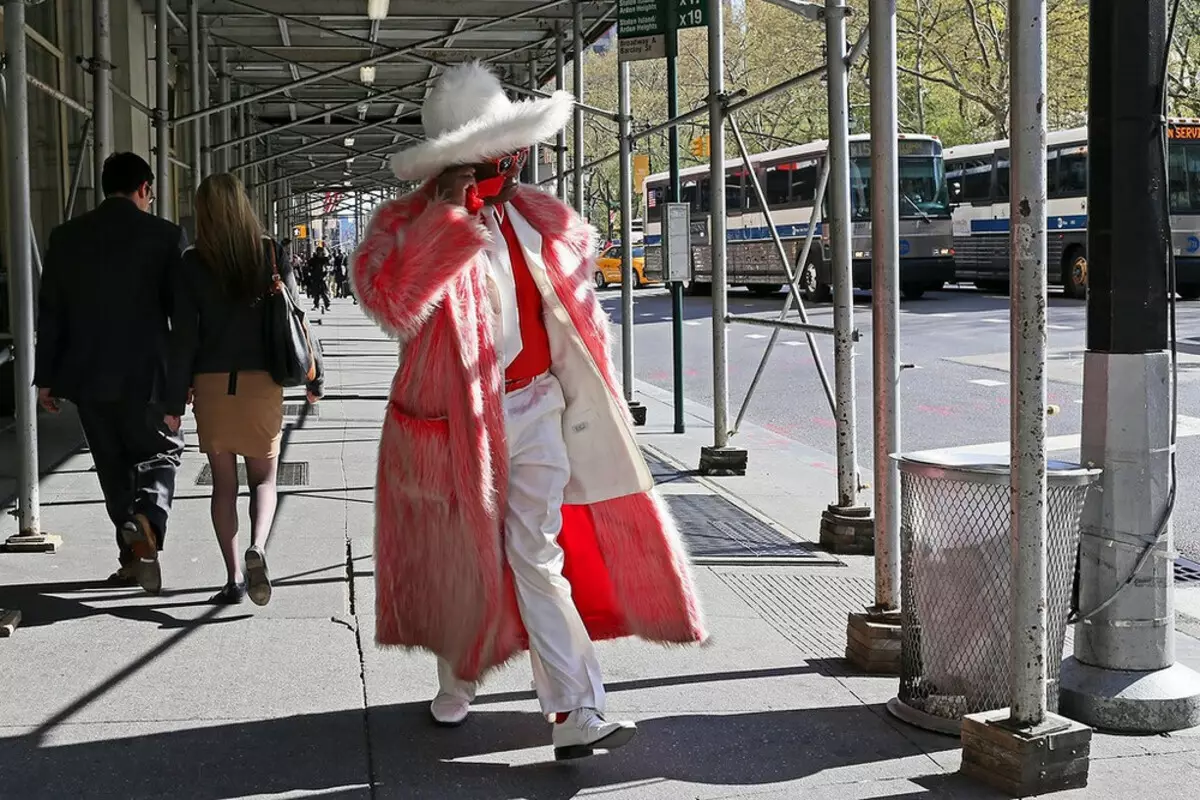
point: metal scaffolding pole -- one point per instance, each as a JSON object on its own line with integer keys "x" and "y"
{"x": 194, "y": 73}
{"x": 885, "y": 301}
{"x": 840, "y": 246}
{"x": 1027, "y": 210}
{"x": 85, "y": 141}
{"x": 626, "y": 171}
{"x": 21, "y": 278}
{"x": 577, "y": 85}
{"x": 101, "y": 92}
{"x": 205, "y": 124}
{"x": 162, "y": 129}
{"x": 225, "y": 118}
{"x": 560, "y": 141}
{"x": 720, "y": 458}
{"x": 535, "y": 155}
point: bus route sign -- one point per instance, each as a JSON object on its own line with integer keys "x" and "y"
{"x": 644, "y": 25}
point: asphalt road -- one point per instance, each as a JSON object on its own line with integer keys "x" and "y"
{"x": 944, "y": 402}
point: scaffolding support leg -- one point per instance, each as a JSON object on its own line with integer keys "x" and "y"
{"x": 846, "y": 526}
{"x": 637, "y": 410}
{"x": 85, "y": 140}
{"x": 29, "y": 536}
{"x": 577, "y": 78}
{"x": 560, "y": 142}
{"x": 102, "y": 111}
{"x": 225, "y": 118}
{"x": 196, "y": 76}
{"x": 205, "y": 124}
{"x": 162, "y": 145}
{"x": 720, "y": 458}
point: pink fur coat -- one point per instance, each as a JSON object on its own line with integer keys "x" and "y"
{"x": 441, "y": 576}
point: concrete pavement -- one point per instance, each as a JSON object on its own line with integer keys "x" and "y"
{"x": 113, "y": 694}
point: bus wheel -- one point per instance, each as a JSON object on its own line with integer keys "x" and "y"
{"x": 1075, "y": 275}
{"x": 1188, "y": 291}
{"x": 812, "y": 290}
{"x": 698, "y": 289}
{"x": 992, "y": 287}
{"x": 599, "y": 278}
{"x": 912, "y": 291}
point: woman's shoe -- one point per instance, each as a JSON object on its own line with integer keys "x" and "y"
{"x": 258, "y": 579}
{"x": 231, "y": 595}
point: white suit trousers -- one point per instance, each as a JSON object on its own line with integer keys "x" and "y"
{"x": 566, "y": 672}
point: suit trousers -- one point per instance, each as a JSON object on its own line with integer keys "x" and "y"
{"x": 136, "y": 457}
{"x": 566, "y": 672}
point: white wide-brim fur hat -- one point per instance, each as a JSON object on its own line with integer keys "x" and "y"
{"x": 468, "y": 118}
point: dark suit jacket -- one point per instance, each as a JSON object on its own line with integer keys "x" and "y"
{"x": 105, "y": 304}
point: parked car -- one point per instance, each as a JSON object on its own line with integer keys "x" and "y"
{"x": 608, "y": 268}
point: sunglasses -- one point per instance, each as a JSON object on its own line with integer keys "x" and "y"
{"x": 506, "y": 164}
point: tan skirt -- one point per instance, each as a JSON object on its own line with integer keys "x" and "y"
{"x": 249, "y": 423}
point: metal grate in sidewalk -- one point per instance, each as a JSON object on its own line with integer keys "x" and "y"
{"x": 1186, "y": 570}
{"x": 291, "y": 473}
{"x": 807, "y": 608}
{"x": 294, "y": 410}
{"x": 714, "y": 528}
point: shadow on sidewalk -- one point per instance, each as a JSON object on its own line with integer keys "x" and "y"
{"x": 486, "y": 758}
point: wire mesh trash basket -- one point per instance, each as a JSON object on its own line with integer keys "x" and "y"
{"x": 956, "y": 576}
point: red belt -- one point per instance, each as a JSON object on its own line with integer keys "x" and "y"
{"x": 517, "y": 384}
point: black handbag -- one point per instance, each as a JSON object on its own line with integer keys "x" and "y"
{"x": 290, "y": 358}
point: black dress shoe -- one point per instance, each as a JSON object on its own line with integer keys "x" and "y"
{"x": 230, "y": 595}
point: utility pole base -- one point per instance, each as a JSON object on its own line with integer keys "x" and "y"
{"x": 638, "y": 412}
{"x": 32, "y": 543}
{"x": 1158, "y": 701}
{"x": 9, "y": 621}
{"x": 873, "y": 642}
{"x": 722, "y": 461}
{"x": 848, "y": 530}
{"x": 1022, "y": 762}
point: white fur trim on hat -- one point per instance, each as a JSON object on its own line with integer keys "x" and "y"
{"x": 468, "y": 118}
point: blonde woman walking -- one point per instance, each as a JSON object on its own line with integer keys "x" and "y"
{"x": 219, "y": 360}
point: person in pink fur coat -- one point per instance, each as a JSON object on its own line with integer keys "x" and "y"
{"x": 513, "y": 508}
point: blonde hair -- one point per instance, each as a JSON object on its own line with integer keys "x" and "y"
{"x": 229, "y": 238}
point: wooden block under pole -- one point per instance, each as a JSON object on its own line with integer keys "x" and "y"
{"x": 10, "y": 619}
{"x": 1050, "y": 758}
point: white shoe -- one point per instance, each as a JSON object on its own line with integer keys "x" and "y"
{"x": 585, "y": 731}
{"x": 448, "y": 710}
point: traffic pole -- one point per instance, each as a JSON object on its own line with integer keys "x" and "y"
{"x": 673, "y": 194}
{"x": 1123, "y": 675}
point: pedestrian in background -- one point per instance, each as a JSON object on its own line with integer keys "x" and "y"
{"x": 318, "y": 286}
{"x": 104, "y": 309}
{"x": 219, "y": 356}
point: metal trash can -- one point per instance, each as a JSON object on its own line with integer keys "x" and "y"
{"x": 956, "y": 575}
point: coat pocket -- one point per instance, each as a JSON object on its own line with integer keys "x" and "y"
{"x": 415, "y": 457}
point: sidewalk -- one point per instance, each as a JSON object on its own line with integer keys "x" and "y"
{"x": 113, "y": 694}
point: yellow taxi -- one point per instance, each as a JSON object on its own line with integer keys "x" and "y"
{"x": 608, "y": 268}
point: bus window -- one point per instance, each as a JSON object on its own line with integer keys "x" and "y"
{"x": 1184, "y": 178}
{"x": 688, "y": 191}
{"x": 1052, "y": 173}
{"x": 656, "y": 196}
{"x": 976, "y": 179}
{"x": 1001, "y": 176}
{"x": 733, "y": 191}
{"x": 804, "y": 183}
{"x": 1072, "y": 172}
{"x": 705, "y": 202}
{"x": 777, "y": 186}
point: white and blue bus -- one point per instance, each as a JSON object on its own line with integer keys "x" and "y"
{"x": 978, "y": 179}
{"x": 789, "y": 178}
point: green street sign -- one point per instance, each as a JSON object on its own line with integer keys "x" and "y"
{"x": 644, "y": 25}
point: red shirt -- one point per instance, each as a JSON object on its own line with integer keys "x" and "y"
{"x": 534, "y": 358}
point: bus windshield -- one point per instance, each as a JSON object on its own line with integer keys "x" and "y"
{"x": 1185, "y": 178}
{"x": 923, "y": 192}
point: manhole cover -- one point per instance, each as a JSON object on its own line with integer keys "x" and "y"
{"x": 1186, "y": 571}
{"x": 713, "y": 527}
{"x": 291, "y": 473}
{"x": 295, "y": 409}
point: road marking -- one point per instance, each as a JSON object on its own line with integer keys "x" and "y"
{"x": 938, "y": 314}
{"x": 988, "y": 382}
{"x": 1061, "y": 327}
{"x": 645, "y": 314}
{"x": 692, "y": 322}
{"x": 756, "y": 336}
{"x": 999, "y": 451}
{"x": 793, "y": 344}
{"x": 996, "y": 321}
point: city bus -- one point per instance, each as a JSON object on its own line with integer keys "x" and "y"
{"x": 789, "y": 178}
{"x": 978, "y": 175}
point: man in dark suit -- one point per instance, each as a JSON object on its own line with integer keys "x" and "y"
{"x": 103, "y": 328}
